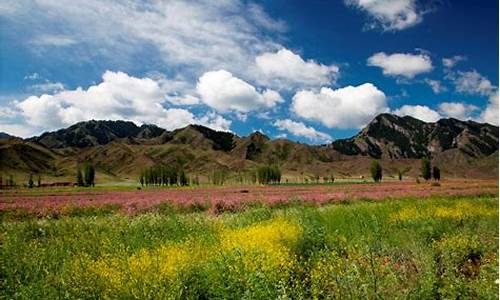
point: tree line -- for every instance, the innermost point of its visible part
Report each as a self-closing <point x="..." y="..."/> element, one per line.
<point x="8" y="182"/>
<point x="427" y="171"/>
<point x="161" y="175"/>
<point x="270" y="174"/>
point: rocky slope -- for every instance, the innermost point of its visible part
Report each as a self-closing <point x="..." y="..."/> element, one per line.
<point x="393" y="137"/>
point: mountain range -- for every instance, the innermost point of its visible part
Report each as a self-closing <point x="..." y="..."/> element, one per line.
<point x="120" y="149"/>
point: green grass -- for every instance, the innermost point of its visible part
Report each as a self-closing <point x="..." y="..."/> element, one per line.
<point x="439" y="248"/>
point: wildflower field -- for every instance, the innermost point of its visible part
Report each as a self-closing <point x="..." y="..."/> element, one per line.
<point x="362" y="241"/>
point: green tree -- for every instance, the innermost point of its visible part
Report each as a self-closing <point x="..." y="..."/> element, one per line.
<point x="219" y="177"/>
<point x="92" y="175"/>
<point x="79" y="177"/>
<point x="30" y="181"/>
<point x="172" y="175"/>
<point x="88" y="174"/>
<point x="269" y="174"/>
<point x="436" y="173"/>
<point x="376" y="171"/>
<point x="195" y="180"/>
<point x="426" y="168"/>
<point x="183" y="180"/>
<point x="141" y="178"/>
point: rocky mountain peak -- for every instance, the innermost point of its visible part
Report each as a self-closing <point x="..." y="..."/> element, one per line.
<point x="391" y="136"/>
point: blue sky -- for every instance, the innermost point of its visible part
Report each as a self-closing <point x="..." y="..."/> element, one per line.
<point x="310" y="71"/>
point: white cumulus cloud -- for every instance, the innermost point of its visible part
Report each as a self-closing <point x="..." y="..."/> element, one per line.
<point x="471" y="82"/>
<point x="401" y="64"/>
<point x="390" y="15"/>
<point x="490" y="114"/>
<point x="286" y="69"/>
<point x="225" y="92"/>
<point x="420" y="112"/>
<point x="457" y="110"/>
<point x="19" y="130"/>
<point x="301" y="130"/>
<point x="118" y="97"/>
<point x="347" y="107"/>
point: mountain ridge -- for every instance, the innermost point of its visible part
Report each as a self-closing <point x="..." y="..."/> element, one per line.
<point x="120" y="149"/>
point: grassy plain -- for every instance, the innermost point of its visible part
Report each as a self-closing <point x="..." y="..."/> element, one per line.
<point x="440" y="247"/>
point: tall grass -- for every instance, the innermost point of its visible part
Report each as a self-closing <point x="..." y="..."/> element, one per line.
<point x="437" y="248"/>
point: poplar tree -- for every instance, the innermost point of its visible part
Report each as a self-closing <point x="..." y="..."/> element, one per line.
<point x="376" y="171"/>
<point x="79" y="177"/>
<point x="426" y="168"/>
<point x="436" y="173"/>
<point x="30" y="181"/>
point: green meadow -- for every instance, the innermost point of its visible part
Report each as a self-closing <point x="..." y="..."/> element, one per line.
<point x="438" y="248"/>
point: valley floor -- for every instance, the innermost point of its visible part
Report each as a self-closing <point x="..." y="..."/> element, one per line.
<point x="299" y="242"/>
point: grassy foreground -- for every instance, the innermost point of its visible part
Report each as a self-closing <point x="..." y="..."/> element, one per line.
<point x="439" y="248"/>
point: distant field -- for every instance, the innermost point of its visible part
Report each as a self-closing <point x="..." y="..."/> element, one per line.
<point x="56" y="202"/>
<point x="254" y="242"/>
